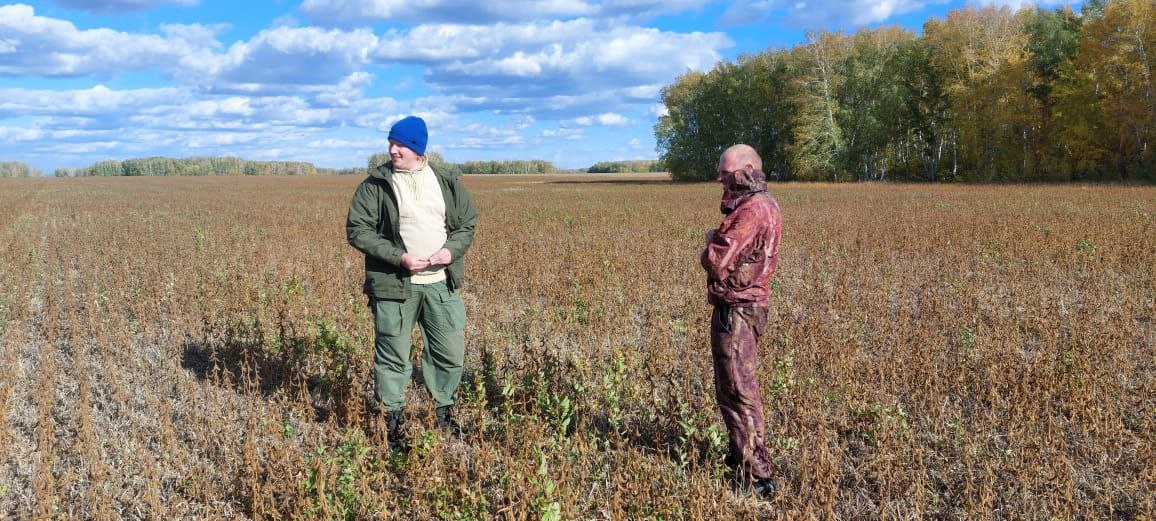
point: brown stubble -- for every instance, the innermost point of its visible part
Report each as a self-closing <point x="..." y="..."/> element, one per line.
<point x="198" y="348"/>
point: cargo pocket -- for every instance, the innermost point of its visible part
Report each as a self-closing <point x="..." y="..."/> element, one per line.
<point x="387" y="317"/>
<point x="454" y="309"/>
<point x="757" y="318"/>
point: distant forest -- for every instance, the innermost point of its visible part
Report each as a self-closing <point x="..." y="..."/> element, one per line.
<point x="17" y="169"/>
<point x="226" y="166"/>
<point x="199" y="166"/>
<point x="533" y="166"/>
<point x="985" y="95"/>
<point x="626" y="167"/>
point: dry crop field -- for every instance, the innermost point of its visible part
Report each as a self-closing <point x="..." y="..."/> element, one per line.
<point x="197" y="348"/>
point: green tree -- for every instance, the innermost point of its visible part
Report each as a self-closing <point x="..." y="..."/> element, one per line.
<point x="924" y="112"/>
<point x="1052" y="43"/>
<point x="743" y="102"/>
<point x="980" y="54"/>
<point x="1107" y="104"/>
<point x="869" y="104"/>
<point x="17" y="169"/>
<point x="680" y="134"/>
<point x="819" y="147"/>
<point x="622" y="167"/>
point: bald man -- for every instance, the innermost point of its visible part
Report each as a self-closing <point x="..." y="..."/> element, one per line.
<point x="740" y="258"/>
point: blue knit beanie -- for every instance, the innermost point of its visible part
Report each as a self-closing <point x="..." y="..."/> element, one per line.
<point x="411" y="132"/>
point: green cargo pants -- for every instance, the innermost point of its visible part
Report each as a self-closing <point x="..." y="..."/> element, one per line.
<point x="442" y="317"/>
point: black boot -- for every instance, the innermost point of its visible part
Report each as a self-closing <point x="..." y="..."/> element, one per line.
<point x="446" y="421"/>
<point x="764" y="488"/>
<point x="395" y="431"/>
<point x="749" y="486"/>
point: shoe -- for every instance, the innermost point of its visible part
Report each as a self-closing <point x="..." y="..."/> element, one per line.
<point x="748" y="486"/>
<point x="446" y="421"/>
<point x="395" y="431"/>
<point x="764" y="488"/>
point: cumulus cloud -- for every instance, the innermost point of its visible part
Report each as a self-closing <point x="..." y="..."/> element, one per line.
<point x="490" y="89"/>
<point x="363" y="12"/>
<point x="12" y="134"/>
<point x="96" y="101"/>
<point x="609" y="119"/>
<point x="295" y="56"/>
<point x="281" y="60"/>
<point x="566" y="134"/>
<point x="81" y="126"/>
<point x="40" y="46"/>
<point x="499" y="65"/>
<point x="820" y="13"/>
<point x="120" y="6"/>
<point x="550" y="58"/>
<point x="346" y="92"/>
<point x="1016" y="5"/>
<point x="198" y="36"/>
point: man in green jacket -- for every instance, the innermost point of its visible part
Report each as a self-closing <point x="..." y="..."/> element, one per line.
<point x="414" y="226"/>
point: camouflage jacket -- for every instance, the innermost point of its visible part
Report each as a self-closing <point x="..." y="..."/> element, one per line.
<point x="740" y="257"/>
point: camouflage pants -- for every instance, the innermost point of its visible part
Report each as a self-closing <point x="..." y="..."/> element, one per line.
<point x="734" y="338"/>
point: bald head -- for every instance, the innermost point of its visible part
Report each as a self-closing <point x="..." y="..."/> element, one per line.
<point x="738" y="157"/>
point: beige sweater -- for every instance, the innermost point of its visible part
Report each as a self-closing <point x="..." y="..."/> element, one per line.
<point x="423" y="217"/>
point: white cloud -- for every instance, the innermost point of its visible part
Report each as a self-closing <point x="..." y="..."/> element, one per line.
<point x="820" y="13"/>
<point x="500" y="67"/>
<point x="216" y="140"/>
<point x="363" y="12"/>
<point x="120" y="6"/>
<point x="344" y="144"/>
<point x="294" y="56"/>
<point x="567" y="134"/>
<point x="21" y="134"/>
<point x="79" y="127"/>
<point x="547" y="59"/>
<point x="483" y="141"/>
<point x="294" y="92"/>
<point x="88" y="147"/>
<point x="436" y="43"/>
<point x="612" y="120"/>
<point x="274" y="61"/>
<point x="37" y="45"/>
<point x="97" y="101"/>
<point x="608" y="119"/>
<point x="346" y="92"/>
<point x="1016" y="5"/>
<point x="197" y="35"/>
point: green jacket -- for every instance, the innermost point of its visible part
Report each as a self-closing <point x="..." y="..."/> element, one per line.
<point x="374" y="229"/>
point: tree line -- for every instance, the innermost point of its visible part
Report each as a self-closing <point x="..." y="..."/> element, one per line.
<point x="232" y="166"/>
<point x="199" y="166"/>
<point x="504" y="167"/>
<point x="627" y="167"/>
<point x="17" y="169"/>
<point x="984" y="95"/>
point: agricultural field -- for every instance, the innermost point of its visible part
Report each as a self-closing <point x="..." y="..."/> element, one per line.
<point x="198" y="348"/>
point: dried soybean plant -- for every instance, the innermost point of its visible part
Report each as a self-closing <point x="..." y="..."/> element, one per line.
<point x="198" y="348"/>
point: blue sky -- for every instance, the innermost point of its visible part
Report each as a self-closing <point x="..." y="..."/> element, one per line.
<point x="569" y="81"/>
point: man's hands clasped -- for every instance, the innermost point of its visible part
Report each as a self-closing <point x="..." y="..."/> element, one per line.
<point x="414" y="264"/>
